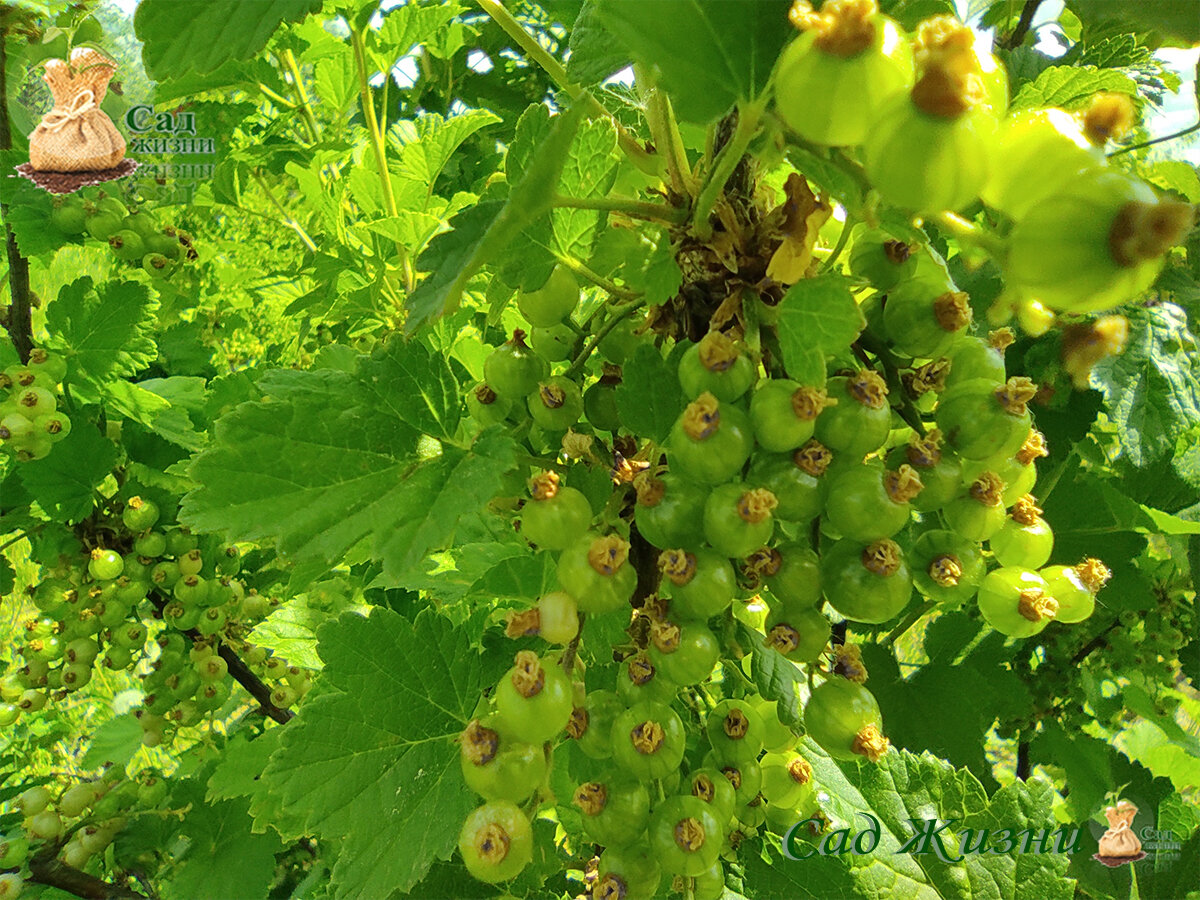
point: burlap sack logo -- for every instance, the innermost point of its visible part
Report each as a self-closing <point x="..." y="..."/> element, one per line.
<point x="76" y="143"/>
<point x="1119" y="845"/>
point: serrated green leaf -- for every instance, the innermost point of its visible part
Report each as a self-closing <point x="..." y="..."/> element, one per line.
<point x="482" y="231"/>
<point x="64" y="483"/>
<point x="594" y="54"/>
<point x="113" y="742"/>
<point x="291" y="633"/>
<point x="649" y="398"/>
<point x="1069" y="87"/>
<point x="415" y="385"/>
<point x="775" y="677"/>
<point x="816" y="315"/>
<point x="710" y="55"/>
<point x="1174" y="19"/>
<point x="590" y="170"/>
<point x="178" y="38"/>
<point x="1145" y="743"/>
<point x="410" y="24"/>
<point x="1152" y="389"/>
<point x="221" y="831"/>
<point x="321" y="464"/>
<point x="430" y="142"/>
<point x="239" y="770"/>
<point x="104" y="331"/>
<point x="372" y="764"/>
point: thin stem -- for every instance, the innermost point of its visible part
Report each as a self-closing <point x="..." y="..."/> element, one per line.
<point x="558" y="74"/>
<point x="568" y="657"/>
<point x="1028" y="11"/>
<point x="20" y="537"/>
<point x="727" y="160"/>
<point x="20" y="313"/>
<point x="635" y="209"/>
<point x="843" y="237"/>
<point x="618" y="313"/>
<point x="379" y="148"/>
<point x="289" y="62"/>
<point x="46" y="868"/>
<point x="1047" y="485"/>
<point x="665" y="133"/>
<point x="607" y="284"/>
<point x="287" y="218"/>
<point x="966" y="232"/>
<point x="277" y="99"/>
<point x="908" y="622"/>
<point x="1191" y="129"/>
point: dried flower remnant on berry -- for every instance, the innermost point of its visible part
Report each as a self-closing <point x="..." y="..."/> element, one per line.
<point x="1035" y="605"/>
<point x="843" y="28"/>
<point x="848" y="663"/>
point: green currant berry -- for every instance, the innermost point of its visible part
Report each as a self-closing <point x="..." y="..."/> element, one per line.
<point x="946" y="567"/>
<point x="534" y="699"/>
<point x="868" y="503"/>
<point x="514" y="370"/>
<point x="710" y="442"/>
<point x="843" y="717"/>
<point x="596" y="572"/>
<point x="685" y="653"/>
<point x="715" y="366"/>
<point x="485" y="407"/>
<point x="701" y="583"/>
<point x="496" y="841"/>
<point x="669" y="511"/>
<point x="499" y="769"/>
<point x="860" y="419"/>
<point x="735" y="731"/>
<point x="832" y="80"/>
<point x="1016" y="602"/>
<point x="1097" y="243"/>
<point x="737" y="519"/>
<point x="870" y="583"/>
<point x="685" y="835"/>
<point x="1024" y="540"/>
<point x="978" y="512"/>
<point x="783" y="414"/>
<point x="648" y="740"/>
<point x="615" y="811"/>
<point x="128" y="245"/>
<point x="556" y="516"/>
<point x="553" y="301"/>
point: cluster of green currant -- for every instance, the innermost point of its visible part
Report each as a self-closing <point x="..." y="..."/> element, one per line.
<point x="928" y="116"/>
<point x="137" y="238"/>
<point x="166" y="603"/>
<point x="81" y="822"/>
<point x="30" y="421"/>
<point x="837" y="496"/>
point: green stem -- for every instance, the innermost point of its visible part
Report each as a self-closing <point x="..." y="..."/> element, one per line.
<point x="289" y="62"/>
<point x="908" y="622"/>
<point x="969" y="233"/>
<point x="287" y="218"/>
<point x="379" y="148"/>
<point x="1047" y="485"/>
<point x="11" y="541"/>
<point x="635" y="209"/>
<point x="731" y="154"/>
<point x="277" y="99"/>
<point x="618" y="314"/>
<point x="664" y="131"/>
<point x="832" y="258"/>
<point x="607" y="284"/>
<point x="558" y="74"/>
<point x="1191" y="129"/>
